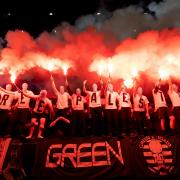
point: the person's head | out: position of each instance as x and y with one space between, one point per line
78 91
24 86
43 93
123 88
139 91
61 89
175 87
8 87
94 87
110 87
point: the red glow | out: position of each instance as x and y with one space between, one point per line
129 58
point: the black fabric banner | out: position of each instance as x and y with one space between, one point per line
83 158
92 158
156 156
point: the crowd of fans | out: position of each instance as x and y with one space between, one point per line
102 112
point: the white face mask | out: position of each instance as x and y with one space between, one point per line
25 86
94 86
78 91
110 87
9 87
61 89
175 88
140 91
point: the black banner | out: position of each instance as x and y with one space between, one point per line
156 155
83 158
92 158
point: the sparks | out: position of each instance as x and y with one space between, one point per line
65 69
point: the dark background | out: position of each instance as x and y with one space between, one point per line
35 16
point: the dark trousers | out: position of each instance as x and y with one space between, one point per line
162 113
5 124
22 118
125 119
111 116
96 119
78 124
61 112
176 111
142 123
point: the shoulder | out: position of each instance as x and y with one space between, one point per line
17 93
30 92
48 100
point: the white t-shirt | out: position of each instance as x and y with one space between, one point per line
125 100
94 99
140 103
23 101
111 99
62 100
175 98
6 100
78 102
41 104
159 99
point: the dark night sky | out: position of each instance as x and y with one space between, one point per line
35 17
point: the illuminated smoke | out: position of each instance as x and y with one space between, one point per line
127 38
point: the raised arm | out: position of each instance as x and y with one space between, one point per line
32 96
61 118
170 85
84 86
134 89
68 88
50 106
147 110
54 86
158 83
6 91
102 88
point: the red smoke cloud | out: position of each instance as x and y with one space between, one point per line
150 52
69 47
83 52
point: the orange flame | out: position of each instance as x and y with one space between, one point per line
164 74
134 72
101 69
50 66
13 77
65 69
110 67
